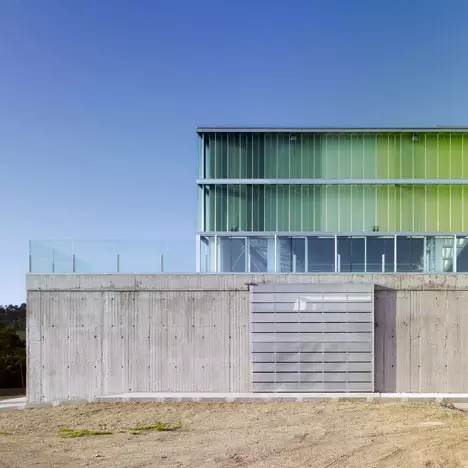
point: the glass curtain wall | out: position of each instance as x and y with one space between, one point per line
330 254
336 208
397 205
331 192
335 156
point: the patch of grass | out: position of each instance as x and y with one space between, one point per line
73 433
157 426
4 433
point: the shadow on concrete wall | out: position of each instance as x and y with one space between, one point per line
385 340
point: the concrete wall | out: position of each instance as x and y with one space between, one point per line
92 335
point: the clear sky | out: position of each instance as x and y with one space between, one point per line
99 100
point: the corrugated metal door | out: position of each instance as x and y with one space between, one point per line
313 337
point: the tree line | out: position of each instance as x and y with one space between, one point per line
13 346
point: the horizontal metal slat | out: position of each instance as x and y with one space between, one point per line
276 367
311 337
311 327
313 387
311 357
304 307
313 367
293 377
310 317
282 347
304 298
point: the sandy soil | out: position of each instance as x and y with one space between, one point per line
286 435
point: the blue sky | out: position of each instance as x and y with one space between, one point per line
99 100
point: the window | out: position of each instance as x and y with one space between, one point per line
207 254
410 254
462 254
291 255
380 254
351 253
321 254
232 256
439 254
262 254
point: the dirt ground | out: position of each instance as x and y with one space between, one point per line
266 435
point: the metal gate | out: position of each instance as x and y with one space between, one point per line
313 337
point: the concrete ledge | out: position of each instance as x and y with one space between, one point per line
434 397
236 281
13 404
38 405
233 397
20 403
269 397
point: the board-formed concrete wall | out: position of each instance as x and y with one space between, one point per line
94 335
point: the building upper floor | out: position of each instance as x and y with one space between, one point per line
327 154
333 180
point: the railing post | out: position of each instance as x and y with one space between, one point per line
198 260
30 258
365 254
118 263
162 263
306 254
427 268
73 261
337 256
53 260
276 254
454 254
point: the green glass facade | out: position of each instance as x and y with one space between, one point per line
335 156
403 207
337 208
335 182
